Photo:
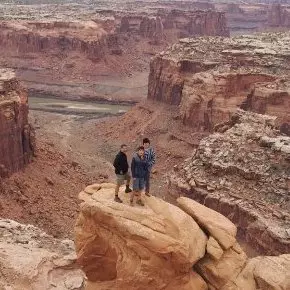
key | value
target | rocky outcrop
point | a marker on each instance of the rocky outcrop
(17, 137)
(152, 28)
(32, 260)
(209, 78)
(124, 247)
(57, 37)
(278, 16)
(242, 171)
(160, 236)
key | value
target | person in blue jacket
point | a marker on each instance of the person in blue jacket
(139, 169)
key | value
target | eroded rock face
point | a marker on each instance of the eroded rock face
(32, 260)
(17, 137)
(197, 23)
(278, 16)
(209, 78)
(242, 171)
(88, 37)
(180, 23)
(152, 28)
(159, 246)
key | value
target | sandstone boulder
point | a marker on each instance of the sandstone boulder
(213, 249)
(127, 247)
(219, 272)
(222, 229)
(263, 273)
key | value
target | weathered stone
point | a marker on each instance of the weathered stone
(158, 236)
(213, 249)
(219, 272)
(222, 229)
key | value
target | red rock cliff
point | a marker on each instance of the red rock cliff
(32, 37)
(16, 135)
(209, 78)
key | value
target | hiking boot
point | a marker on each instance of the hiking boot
(140, 202)
(128, 189)
(118, 199)
(147, 194)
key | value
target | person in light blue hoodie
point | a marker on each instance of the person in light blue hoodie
(150, 157)
(139, 168)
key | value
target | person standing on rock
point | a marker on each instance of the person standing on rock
(139, 170)
(150, 157)
(122, 172)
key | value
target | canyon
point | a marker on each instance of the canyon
(216, 109)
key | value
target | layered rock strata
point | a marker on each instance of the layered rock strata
(197, 23)
(161, 246)
(16, 135)
(87, 37)
(179, 22)
(209, 78)
(242, 171)
(32, 260)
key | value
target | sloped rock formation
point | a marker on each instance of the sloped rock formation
(242, 171)
(160, 246)
(209, 78)
(32, 260)
(17, 136)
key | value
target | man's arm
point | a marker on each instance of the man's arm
(153, 158)
(117, 162)
(133, 167)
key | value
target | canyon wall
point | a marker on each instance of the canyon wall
(17, 136)
(55, 37)
(278, 16)
(123, 247)
(197, 23)
(209, 78)
(242, 171)
(179, 22)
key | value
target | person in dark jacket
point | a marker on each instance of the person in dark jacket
(122, 172)
(139, 170)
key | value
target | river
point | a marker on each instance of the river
(69, 107)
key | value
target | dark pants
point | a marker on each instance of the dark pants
(147, 182)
